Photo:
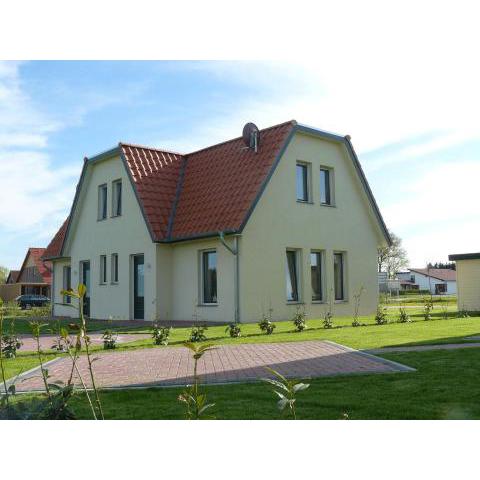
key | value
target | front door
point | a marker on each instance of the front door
(85, 279)
(138, 288)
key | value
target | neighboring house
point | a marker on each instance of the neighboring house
(468, 278)
(437, 281)
(34, 277)
(388, 285)
(222, 234)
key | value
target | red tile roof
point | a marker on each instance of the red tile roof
(44, 268)
(202, 193)
(55, 246)
(445, 274)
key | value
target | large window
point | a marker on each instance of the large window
(114, 267)
(209, 276)
(316, 267)
(67, 283)
(326, 186)
(102, 202)
(291, 273)
(302, 182)
(339, 275)
(103, 269)
(116, 198)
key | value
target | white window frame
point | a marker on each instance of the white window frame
(321, 253)
(331, 184)
(67, 284)
(298, 272)
(103, 269)
(308, 169)
(202, 276)
(115, 209)
(102, 206)
(344, 277)
(114, 264)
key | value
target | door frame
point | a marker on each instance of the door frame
(132, 285)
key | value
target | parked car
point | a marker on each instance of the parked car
(29, 301)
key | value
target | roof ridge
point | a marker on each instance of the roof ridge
(292, 122)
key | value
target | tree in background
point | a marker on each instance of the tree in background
(4, 271)
(449, 265)
(393, 258)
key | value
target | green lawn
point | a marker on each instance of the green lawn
(444, 386)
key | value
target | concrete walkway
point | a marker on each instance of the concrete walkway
(225, 364)
(424, 348)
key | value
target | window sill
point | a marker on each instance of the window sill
(293, 302)
(307, 202)
(319, 302)
(115, 216)
(341, 301)
(112, 283)
(102, 284)
(331, 205)
(207, 305)
(102, 219)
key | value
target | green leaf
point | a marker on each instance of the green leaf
(277, 374)
(209, 405)
(275, 383)
(281, 395)
(282, 403)
(300, 386)
(81, 290)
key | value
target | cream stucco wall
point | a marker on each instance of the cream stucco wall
(280, 222)
(186, 283)
(125, 235)
(468, 285)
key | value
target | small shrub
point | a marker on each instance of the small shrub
(109, 338)
(328, 320)
(300, 319)
(160, 335)
(286, 390)
(40, 312)
(427, 308)
(234, 330)
(266, 325)
(197, 333)
(10, 343)
(463, 314)
(356, 299)
(381, 316)
(404, 317)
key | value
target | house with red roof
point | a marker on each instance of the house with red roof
(274, 220)
(437, 281)
(33, 278)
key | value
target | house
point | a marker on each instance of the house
(224, 233)
(437, 281)
(34, 277)
(388, 285)
(468, 277)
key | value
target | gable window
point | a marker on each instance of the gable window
(339, 275)
(291, 274)
(67, 283)
(326, 194)
(103, 269)
(316, 267)
(114, 267)
(209, 276)
(116, 198)
(303, 182)
(102, 202)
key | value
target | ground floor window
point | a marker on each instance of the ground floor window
(316, 267)
(103, 269)
(209, 276)
(339, 275)
(291, 273)
(67, 283)
(114, 267)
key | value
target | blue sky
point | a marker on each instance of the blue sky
(416, 140)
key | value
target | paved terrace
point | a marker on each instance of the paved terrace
(168, 366)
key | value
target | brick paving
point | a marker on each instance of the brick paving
(46, 341)
(226, 364)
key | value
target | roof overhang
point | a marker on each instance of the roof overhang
(464, 256)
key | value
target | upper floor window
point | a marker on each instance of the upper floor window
(326, 184)
(316, 267)
(114, 267)
(303, 182)
(339, 275)
(102, 202)
(116, 198)
(103, 269)
(291, 273)
(209, 276)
